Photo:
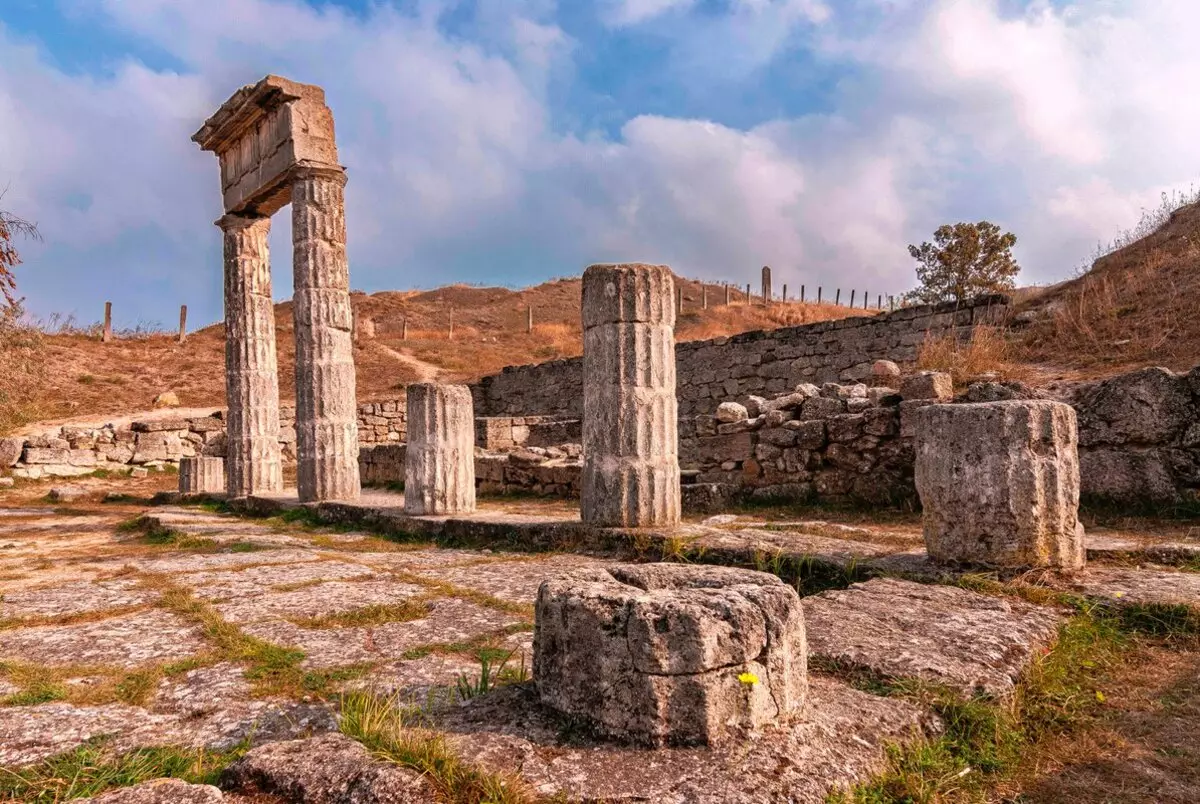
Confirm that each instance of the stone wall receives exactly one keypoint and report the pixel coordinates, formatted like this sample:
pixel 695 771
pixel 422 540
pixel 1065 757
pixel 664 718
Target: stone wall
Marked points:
pixel 759 363
pixel 1139 437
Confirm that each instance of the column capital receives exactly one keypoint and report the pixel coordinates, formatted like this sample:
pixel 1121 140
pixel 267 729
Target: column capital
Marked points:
pixel 318 170
pixel 232 221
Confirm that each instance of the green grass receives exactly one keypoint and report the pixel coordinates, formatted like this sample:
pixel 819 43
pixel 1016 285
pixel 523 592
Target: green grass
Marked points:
pixel 91 769
pixel 985 740
pixel 391 732
pixel 368 615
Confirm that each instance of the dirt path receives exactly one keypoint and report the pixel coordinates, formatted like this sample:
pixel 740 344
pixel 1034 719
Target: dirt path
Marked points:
pixel 426 372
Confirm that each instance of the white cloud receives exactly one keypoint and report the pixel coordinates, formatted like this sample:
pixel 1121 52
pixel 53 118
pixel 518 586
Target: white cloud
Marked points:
pixel 1058 122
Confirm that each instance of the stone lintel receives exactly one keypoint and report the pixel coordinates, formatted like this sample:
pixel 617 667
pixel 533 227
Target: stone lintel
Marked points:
pixel 246 106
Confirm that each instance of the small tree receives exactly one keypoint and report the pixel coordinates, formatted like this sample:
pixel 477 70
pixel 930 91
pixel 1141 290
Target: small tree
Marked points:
pixel 965 260
pixel 10 227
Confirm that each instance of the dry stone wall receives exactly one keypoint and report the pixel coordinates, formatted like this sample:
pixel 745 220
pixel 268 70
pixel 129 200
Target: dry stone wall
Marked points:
pixel 759 363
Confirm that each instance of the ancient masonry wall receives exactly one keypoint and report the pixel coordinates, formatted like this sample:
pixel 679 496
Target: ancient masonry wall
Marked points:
pixel 760 363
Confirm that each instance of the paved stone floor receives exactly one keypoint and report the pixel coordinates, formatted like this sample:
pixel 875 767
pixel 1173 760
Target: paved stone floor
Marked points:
pixel 177 625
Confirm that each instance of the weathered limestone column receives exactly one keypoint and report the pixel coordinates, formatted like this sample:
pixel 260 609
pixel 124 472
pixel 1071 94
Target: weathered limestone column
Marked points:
pixel 439 464
pixel 631 465
pixel 202 474
pixel 326 416
pixel 766 284
pixel 252 461
pixel 999 483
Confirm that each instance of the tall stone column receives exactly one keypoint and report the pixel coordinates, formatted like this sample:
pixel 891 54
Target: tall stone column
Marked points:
pixel 252 461
pixel 630 439
pixel 439 463
pixel 326 415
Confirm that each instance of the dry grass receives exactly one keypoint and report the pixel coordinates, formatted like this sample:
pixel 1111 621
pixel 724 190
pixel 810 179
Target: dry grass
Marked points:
pixel 989 353
pixel 83 375
pixel 1134 307
pixel 22 369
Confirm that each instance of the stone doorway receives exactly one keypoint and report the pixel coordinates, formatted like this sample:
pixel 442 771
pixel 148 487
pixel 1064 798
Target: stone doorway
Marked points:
pixel 275 143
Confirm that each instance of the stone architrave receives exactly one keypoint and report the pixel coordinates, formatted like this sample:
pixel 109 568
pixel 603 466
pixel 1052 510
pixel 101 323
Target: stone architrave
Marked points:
pixel 631 464
pixel 999 483
pixel 275 142
pixel 254 464
pixel 671 654
pixel 439 464
pixel 201 475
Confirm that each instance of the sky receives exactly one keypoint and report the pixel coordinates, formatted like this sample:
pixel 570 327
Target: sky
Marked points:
pixel 506 142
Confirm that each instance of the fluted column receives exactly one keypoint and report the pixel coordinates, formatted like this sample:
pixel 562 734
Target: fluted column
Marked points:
pixel 439 463
pixel 326 418
pixel 630 452
pixel 252 460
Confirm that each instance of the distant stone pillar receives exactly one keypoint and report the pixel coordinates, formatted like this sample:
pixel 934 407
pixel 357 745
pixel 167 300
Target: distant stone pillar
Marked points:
pixel 529 320
pixel 326 410
pixel 106 336
pixel 631 467
pixel 766 284
pixel 439 463
pixel 182 323
pixel 749 298
pixel 202 474
pixel 726 294
pixel 703 296
pixel 252 459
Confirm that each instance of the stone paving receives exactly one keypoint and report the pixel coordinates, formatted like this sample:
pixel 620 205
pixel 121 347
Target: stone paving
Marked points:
pixel 157 625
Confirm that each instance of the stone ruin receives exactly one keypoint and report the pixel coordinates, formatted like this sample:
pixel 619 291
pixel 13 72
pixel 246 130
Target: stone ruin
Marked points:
pixel 202 474
pixel 999 483
pixel 276 146
pixel 439 466
pixel 670 654
pixel 630 434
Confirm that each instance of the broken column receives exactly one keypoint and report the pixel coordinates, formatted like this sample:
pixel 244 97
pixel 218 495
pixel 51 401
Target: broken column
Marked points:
pixel 631 467
pixel 201 475
pixel 326 408
pixel 671 654
pixel 999 483
pixel 439 464
pixel 254 465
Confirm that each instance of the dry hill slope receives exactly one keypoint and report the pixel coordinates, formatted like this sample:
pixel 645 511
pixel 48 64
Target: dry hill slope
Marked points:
pixel 1137 306
pixel 88 377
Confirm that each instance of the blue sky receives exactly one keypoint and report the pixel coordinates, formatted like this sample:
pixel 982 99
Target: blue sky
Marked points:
pixel 511 141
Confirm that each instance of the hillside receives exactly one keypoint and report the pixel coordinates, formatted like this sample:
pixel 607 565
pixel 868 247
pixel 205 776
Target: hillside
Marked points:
pixel 84 375
pixel 1136 306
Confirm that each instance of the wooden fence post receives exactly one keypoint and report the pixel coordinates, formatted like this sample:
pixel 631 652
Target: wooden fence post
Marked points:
pixel 182 323
pixel 837 298
pixel 748 301
pixel 785 294
pixel 851 298
pixel 726 294
pixel 819 294
pixel 802 294
pixel 107 336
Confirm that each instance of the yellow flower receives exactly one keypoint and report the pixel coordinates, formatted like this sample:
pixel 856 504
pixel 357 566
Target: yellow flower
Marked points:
pixel 1099 696
pixel 748 679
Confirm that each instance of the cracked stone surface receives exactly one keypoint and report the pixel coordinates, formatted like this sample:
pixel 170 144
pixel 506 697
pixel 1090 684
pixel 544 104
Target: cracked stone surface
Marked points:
pixel 1147 585
pixel 93 593
pixel 127 641
pixel 900 629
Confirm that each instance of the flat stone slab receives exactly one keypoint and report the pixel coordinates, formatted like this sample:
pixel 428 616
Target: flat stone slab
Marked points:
pixel 449 621
pixel 322 598
pixel 32 733
pixel 75 598
pixel 513 580
pixel 840 742
pixel 127 641
pixel 967 641
pixel 160 791
pixel 188 563
pixel 1100 546
pixel 221 529
pixel 1137 585
pixel 252 581
pixel 792 544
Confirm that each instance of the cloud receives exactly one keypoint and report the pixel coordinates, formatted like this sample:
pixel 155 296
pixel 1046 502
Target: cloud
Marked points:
pixel 1056 121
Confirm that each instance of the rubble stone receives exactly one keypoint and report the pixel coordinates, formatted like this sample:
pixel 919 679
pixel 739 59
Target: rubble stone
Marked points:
pixel 728 412
pixel 999 483
pixel 669 653
pixel 927 385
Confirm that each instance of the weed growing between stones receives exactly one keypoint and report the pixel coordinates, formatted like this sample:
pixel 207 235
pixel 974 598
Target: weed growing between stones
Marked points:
pixel 91 769
pixel 986 741
pixel 491 675
pixel 378 614
pixel 106 684
pixel 385 727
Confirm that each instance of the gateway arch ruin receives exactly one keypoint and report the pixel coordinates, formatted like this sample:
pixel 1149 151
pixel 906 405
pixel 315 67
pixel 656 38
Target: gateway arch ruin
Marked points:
pixel 275 143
